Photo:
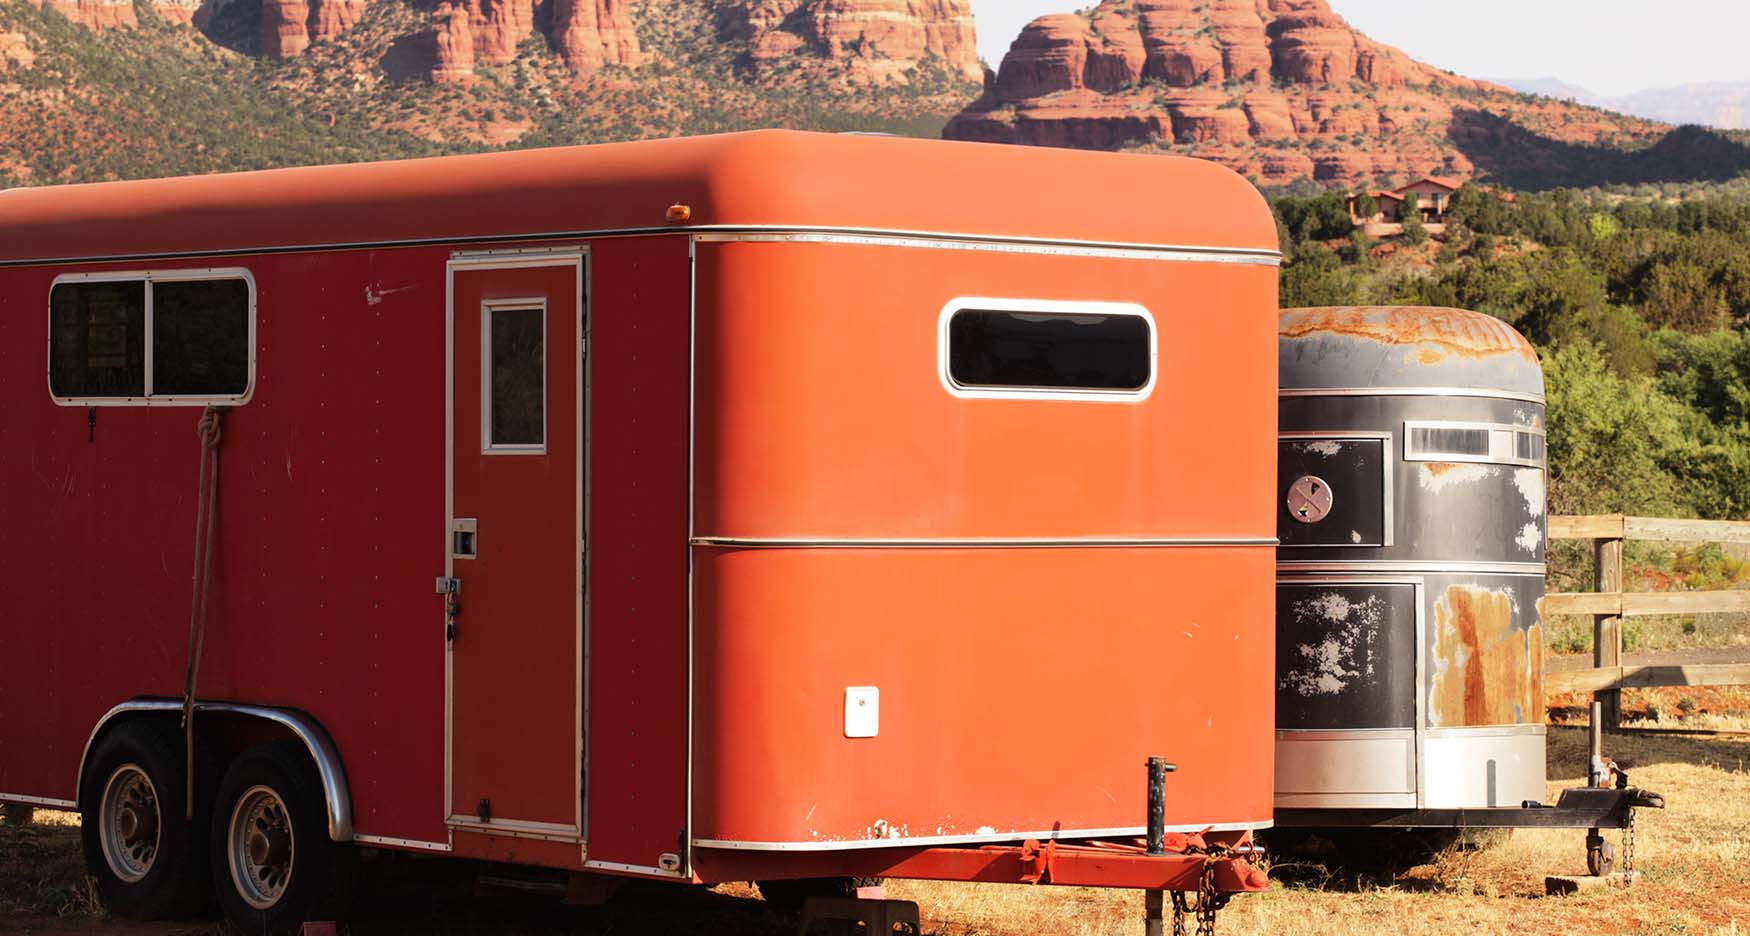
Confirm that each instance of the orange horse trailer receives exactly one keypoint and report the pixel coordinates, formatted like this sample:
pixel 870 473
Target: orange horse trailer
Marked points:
pixel 798 506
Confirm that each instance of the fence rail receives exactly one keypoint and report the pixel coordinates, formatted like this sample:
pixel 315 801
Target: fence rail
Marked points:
pixel 1608 604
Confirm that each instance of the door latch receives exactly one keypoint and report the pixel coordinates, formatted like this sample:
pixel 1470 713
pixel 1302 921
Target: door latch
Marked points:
pixel 451 589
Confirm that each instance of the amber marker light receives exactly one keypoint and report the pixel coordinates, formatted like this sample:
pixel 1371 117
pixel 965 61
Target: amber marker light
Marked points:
pixel 679 213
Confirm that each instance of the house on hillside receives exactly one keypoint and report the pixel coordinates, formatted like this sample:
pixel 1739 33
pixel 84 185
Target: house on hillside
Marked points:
pixel 1432 197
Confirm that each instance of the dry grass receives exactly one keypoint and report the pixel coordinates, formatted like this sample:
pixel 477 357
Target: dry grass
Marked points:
pixel 1695 859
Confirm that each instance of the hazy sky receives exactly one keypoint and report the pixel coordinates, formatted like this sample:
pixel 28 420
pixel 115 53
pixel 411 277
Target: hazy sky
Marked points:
pixel 1607 46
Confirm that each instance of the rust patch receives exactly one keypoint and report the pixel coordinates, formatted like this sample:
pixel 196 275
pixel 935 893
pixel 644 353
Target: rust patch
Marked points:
pixel 1439 333
pixel 1485 671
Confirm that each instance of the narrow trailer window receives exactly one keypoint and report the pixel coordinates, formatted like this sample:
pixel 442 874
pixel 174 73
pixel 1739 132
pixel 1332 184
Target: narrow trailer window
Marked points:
pixel 178 336
pixel 1052 350
pixel 516 356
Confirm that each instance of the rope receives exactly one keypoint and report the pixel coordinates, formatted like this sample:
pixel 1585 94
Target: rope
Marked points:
pixel 210 430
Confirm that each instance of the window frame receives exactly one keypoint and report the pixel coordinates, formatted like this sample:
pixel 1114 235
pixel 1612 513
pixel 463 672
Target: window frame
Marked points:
pixel 522 304
pixel 1495 457
pixel 148 277
pixel 1045 307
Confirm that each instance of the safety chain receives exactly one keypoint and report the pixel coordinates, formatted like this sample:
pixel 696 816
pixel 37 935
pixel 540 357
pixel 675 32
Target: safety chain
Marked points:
pixel 1628 849
pixel 1209 901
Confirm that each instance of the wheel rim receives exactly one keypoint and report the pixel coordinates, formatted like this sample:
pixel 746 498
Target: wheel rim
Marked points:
pixel 260 847
pixel 128 822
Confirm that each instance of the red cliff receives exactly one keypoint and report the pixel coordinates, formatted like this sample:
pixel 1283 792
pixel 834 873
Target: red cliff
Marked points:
pixel 1279 89
pixel 868 41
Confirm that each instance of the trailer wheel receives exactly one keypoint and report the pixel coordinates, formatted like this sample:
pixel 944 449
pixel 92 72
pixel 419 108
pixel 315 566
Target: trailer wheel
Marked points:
pixel 274 866
pixel 1600 859
pixel 147 860
pixel 790 895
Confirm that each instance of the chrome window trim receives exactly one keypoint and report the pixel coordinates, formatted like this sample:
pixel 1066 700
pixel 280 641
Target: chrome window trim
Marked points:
pixel 488 309
pixel 1514 430
pixel 147 278
pixel 305 728
pixel 1044 307
pixel 753 233
pixel 973 839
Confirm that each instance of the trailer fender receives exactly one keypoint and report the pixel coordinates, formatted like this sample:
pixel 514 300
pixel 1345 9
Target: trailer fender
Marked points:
pixel 306 729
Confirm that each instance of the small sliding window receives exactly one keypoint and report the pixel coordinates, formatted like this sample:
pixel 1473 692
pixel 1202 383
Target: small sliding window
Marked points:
pixel 183 337
pixel 1491 443
pixel 1038 349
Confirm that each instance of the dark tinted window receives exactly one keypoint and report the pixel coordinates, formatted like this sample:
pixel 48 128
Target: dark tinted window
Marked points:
pixel 1054 351
pixel 519 368
pixel 200 338
pixel 97 339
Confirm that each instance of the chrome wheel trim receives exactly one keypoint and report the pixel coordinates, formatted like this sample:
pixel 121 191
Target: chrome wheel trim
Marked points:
pixel 260 847
pixel 129 823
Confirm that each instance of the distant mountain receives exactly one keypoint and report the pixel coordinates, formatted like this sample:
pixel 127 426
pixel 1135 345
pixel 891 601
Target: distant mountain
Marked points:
pixel 104 89
pixel 1287 91
pixel 1721 104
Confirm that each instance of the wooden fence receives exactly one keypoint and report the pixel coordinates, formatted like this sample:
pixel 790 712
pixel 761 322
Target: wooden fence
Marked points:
pixel 1608 605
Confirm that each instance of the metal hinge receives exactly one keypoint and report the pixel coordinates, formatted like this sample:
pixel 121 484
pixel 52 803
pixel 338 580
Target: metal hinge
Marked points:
pixel 448 586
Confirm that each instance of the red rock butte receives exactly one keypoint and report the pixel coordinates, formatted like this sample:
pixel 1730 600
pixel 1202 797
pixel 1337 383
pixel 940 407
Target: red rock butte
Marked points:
pixel 1277 89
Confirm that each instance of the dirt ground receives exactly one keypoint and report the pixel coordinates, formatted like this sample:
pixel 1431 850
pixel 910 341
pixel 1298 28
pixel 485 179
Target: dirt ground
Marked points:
pixel 1695 858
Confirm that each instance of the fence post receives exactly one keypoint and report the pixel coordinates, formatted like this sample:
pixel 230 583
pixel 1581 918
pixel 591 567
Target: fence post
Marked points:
pixel 1607 628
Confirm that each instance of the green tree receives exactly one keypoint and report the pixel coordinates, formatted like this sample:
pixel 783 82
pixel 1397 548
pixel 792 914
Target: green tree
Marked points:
pixel 1415 232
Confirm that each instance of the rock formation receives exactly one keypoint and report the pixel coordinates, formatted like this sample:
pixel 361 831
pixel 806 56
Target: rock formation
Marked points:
pixel 289 26
pixel 592 33
pixel 94 14
pixel 869 41
pixel 1280 89
pixel 15 52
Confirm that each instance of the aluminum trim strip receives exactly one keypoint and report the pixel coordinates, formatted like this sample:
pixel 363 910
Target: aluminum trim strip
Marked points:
pixel 932 840
pixel 387 841
pixel 1432 567
pixel 1011 245
pixel 731 542
pixel 640 870
pixel 1487 731
pixel 1410 391
pixel 721 233
pixel 302 726
pixel 44 801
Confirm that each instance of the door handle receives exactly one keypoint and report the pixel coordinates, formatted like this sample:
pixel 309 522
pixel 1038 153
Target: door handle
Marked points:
pixel 464 538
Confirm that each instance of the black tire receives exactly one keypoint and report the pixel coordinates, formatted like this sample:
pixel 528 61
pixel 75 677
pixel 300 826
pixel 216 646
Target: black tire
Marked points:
pixel 317 875
pixel 174 882
pixel 789 895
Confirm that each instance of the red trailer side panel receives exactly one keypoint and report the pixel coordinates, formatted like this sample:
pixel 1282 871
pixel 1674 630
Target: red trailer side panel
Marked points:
pixel 330 525
pixel 638 652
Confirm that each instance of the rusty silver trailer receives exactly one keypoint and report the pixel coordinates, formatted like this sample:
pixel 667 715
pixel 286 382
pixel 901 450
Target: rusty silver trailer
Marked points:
pixel 1409 650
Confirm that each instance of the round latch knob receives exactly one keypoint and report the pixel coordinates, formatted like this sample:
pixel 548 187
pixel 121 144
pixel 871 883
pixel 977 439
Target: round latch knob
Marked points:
pixel 1309 499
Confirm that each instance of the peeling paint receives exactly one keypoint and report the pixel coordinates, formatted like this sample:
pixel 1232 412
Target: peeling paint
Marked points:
pixel 1485 671
pixel 1529 481
pixel 1322 447
pixel 1530 537
pixel 1331 665
pixel 1438 476
pixel 1430 334
pixel 1354 536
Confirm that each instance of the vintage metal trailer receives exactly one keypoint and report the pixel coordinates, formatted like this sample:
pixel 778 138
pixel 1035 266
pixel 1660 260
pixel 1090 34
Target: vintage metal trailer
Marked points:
pixel 798 506
pixel 1410 580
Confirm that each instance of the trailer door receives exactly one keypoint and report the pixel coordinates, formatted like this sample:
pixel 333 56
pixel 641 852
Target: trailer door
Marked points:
pixel 514 541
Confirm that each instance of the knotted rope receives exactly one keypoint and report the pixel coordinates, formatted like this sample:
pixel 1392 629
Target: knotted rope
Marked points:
pixel 210 430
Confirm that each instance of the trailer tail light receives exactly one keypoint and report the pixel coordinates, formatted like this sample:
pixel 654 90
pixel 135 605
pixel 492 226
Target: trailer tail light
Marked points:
pixel 679 213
